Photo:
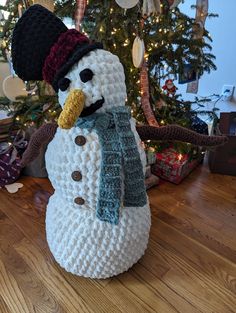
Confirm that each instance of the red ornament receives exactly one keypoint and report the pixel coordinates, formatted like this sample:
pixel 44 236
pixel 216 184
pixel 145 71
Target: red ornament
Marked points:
pixel 169 87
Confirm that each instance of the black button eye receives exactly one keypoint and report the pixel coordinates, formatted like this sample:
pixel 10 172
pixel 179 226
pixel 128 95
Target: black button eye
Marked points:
pixel 63 84
pixel 86 75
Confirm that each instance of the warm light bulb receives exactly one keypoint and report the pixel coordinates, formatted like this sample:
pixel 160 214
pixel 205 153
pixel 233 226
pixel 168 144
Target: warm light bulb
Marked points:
pixel 180 157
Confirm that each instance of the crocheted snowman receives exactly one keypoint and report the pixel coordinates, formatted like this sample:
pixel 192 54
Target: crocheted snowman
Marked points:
pixel 80 241
pixel 95 226
pixel 98 219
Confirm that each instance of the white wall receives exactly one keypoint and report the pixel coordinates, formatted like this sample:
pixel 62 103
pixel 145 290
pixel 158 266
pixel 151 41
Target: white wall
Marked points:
pixel 222 30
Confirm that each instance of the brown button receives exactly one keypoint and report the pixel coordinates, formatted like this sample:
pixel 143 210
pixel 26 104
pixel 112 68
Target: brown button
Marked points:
pixel 76 176
pixel 80 140
pixel 79 201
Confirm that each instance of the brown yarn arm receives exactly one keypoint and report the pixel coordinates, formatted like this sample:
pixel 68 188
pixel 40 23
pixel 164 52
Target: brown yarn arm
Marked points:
pixel 178 133
pixel 42 136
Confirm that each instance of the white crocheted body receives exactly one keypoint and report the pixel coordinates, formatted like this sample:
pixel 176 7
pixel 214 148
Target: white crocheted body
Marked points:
pixel 79 241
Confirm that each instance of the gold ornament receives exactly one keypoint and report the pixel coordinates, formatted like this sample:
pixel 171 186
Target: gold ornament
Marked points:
pixel 48 4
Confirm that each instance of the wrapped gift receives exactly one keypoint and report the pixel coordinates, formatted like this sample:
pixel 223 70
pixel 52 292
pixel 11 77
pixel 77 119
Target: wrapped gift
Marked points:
pixel 6 123
pixel 10 156
pixel 151 181
pixel 173 166
pixel 151 156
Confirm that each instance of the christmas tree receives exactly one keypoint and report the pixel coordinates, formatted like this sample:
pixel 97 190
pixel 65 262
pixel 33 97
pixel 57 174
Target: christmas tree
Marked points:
pixel 39 104
pixel 171 44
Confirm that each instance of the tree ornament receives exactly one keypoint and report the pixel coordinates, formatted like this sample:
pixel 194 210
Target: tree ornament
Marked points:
pixel 127 4
pixel 1 16
pixel 200 18
pixel 174 3
pixel 188 74
pixel 151 7
pixel 79 13
pixel 5 72
pixel 13 87
pixel 146 106
pixel 138 51
pixel 169 88
pixel 160 103
pixel 48 4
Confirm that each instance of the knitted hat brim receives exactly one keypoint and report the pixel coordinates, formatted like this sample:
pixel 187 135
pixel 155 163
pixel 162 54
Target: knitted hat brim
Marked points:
pixel 77 55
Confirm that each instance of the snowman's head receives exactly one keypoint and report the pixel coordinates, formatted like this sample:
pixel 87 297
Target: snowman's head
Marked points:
pixel 88 78
pixel 99 77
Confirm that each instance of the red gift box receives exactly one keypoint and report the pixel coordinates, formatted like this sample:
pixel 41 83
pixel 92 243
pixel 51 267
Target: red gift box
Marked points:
pixel 173 166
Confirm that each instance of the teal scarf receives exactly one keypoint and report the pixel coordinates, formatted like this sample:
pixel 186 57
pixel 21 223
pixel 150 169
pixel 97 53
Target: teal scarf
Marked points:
pixel 119 150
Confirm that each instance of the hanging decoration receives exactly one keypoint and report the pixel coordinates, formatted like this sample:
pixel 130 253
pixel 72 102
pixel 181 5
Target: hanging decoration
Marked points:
pixel 138 51
pixel 188 75
pixel 48 4
pixel 151 7
pixel 5 72
pixel 1 16
pixel 174 3
pixel 145 96
pixel 79 13
pixel 13 87
pixel 146 106
pixel 169 88
pixel 19 10
pixel 127 4
pixel 201 15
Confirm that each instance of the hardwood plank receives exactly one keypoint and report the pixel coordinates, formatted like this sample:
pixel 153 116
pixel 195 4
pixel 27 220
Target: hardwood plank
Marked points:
pixel 40 299
pixel 217 268
pixel 91 291
pixel 3 307
pixel 175 300
pixel 11 292
pixel 200 213
pixel 193 284
pixel 53 280
pixel 201 234
pixel 23 214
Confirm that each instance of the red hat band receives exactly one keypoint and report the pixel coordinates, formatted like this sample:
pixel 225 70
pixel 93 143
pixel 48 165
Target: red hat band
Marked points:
pixel 61 52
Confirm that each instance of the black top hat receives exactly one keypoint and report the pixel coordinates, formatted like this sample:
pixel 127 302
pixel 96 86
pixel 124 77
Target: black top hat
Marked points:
pixel 44 48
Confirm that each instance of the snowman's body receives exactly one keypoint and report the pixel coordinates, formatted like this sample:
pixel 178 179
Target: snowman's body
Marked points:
pixel 79 241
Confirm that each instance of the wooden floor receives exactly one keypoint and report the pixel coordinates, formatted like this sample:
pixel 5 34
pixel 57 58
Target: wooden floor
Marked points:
pixel 189 266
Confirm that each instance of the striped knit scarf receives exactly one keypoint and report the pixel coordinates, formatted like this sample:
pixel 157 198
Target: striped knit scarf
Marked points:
pixel 119 150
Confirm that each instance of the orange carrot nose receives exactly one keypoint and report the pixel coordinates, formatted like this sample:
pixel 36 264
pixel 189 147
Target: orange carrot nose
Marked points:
pixel 72 109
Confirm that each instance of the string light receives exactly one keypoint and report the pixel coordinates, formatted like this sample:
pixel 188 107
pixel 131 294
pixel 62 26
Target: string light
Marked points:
pixel 180 157
pixel 126 43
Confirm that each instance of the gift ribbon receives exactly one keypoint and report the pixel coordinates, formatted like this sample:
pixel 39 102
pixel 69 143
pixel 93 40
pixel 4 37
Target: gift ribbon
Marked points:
pixel 21 143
